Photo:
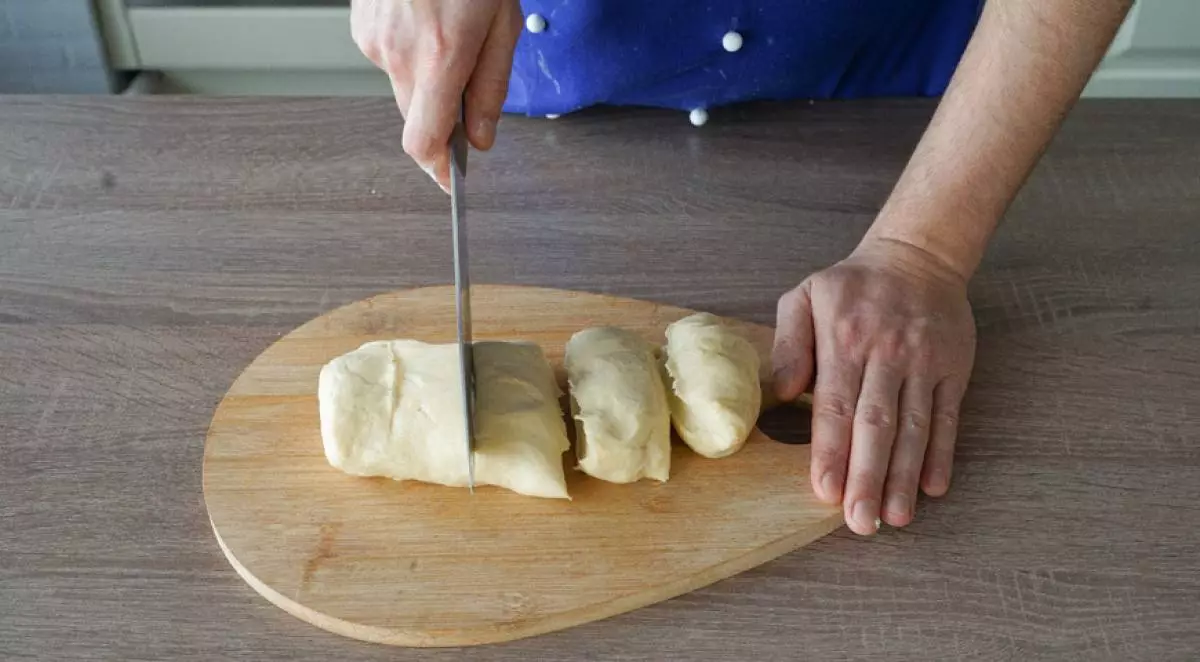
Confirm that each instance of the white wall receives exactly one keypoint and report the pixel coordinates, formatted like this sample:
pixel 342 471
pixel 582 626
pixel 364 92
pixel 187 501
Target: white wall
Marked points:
pixel 308 50
pixel 51 46
pixel 1156 53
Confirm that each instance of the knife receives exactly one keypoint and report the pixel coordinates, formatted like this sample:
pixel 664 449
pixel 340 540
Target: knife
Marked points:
pixel 462 285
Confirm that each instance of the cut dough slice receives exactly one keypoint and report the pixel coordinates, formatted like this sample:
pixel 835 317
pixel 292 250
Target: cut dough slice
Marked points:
pixel 394 408
pixel 715 393
pixel 619 402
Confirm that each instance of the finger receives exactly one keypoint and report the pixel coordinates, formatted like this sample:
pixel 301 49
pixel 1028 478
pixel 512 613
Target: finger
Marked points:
pixel 488 85
pixel 427 136
pixel 908 453
pixel 433 112
pixel 792 355
pixel 943 432
pixel 402 92
pixel 874 433
pixel 834 397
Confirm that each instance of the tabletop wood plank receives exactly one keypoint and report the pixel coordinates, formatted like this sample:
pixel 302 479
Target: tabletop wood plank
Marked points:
pixel 149 249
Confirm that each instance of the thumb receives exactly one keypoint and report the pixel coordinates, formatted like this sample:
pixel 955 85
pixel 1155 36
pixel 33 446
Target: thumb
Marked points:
pixel 792 355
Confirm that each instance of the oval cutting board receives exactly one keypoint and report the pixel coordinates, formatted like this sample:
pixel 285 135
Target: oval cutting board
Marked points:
pixel 425 565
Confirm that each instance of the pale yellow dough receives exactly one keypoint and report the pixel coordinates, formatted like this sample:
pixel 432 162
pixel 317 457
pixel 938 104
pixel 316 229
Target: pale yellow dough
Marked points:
pixel 715 393
pixel 619 402
pixel 394 408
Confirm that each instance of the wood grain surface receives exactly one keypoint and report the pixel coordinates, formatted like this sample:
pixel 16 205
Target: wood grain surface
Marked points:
pixel 426 565
pixel 150 249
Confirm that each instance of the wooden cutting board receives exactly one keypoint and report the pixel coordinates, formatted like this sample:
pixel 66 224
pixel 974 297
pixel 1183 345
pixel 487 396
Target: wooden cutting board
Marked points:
pixel 425 565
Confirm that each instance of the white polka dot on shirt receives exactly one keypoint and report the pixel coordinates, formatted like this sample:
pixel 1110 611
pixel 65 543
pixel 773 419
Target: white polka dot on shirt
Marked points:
pixel 535 23
pixel 732 41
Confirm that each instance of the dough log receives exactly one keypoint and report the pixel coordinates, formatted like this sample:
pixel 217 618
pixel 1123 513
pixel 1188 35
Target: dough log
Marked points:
pixel 394 409
pixel 619 402
pixel 715 393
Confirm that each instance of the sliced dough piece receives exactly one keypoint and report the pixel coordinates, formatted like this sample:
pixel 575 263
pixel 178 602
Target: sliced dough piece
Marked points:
pixel 619 402
pixel 394 408
pixel 715 393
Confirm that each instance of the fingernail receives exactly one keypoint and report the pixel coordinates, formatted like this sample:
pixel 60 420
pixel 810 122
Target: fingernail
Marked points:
pixel 829 486
pixel 864 514
pixel 899 504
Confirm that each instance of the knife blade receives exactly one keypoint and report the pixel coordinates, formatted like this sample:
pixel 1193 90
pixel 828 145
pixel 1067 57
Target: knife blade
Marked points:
pixel 462 285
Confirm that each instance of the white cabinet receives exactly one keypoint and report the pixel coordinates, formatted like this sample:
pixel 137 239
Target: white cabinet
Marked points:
pixel 276 50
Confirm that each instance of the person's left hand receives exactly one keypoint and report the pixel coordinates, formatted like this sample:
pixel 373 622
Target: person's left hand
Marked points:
pixel 891 338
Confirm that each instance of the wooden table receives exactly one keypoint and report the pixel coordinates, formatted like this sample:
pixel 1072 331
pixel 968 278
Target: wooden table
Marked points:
pixel 150 249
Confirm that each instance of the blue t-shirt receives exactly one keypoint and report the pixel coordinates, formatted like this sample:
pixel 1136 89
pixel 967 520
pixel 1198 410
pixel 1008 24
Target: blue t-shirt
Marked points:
pixel 670 53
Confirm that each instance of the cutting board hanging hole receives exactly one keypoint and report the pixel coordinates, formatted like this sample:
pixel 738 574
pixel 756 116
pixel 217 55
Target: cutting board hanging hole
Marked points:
pixel 787 424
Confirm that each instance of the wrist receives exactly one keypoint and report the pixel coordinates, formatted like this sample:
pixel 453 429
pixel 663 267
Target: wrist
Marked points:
pixel 912 259
pixel 955 245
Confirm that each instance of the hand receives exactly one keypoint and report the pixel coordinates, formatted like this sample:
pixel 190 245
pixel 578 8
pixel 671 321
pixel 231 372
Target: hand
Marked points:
pixel 434 52
pixel 893 339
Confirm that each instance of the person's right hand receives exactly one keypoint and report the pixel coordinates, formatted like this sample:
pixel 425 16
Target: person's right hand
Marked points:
pixel 440 54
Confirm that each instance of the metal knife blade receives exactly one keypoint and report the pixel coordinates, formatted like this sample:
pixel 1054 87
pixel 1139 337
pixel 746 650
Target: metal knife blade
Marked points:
pixel 462 286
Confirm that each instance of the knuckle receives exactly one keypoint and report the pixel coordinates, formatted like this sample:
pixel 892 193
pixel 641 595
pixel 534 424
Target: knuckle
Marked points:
pixel 394 62
pixel 790 300
pixel 367 41
pixel 946 419
pixel 833 407
pixel 876 416
pixel 923 356
pixel 364 39
pixel 917 334
pixel 920 344
pixel 829 456
pixel 371 51
pixel 894 344
pixel 439 45
pixel 913 420
pixel 848 333
pixel 419 145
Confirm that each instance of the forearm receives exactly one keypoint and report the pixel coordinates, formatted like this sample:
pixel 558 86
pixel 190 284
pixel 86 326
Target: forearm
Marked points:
pixel 1024 68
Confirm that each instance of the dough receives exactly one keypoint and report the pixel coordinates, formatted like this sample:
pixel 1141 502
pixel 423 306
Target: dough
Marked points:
pixel 715 394
pixel 619 402
pixel 394 408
